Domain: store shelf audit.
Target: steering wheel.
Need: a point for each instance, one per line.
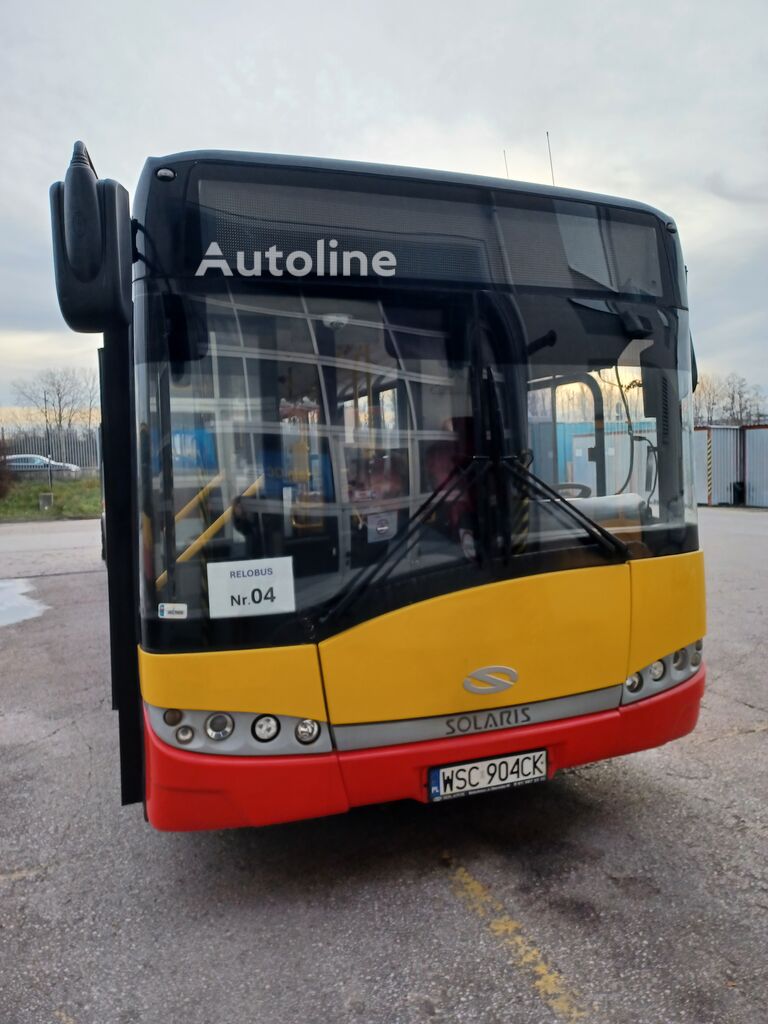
(576, 490)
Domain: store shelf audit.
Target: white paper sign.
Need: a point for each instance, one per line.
(255, 586)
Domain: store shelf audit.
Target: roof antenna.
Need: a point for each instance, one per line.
(506, 165)
(551, 168)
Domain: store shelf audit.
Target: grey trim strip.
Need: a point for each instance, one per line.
(241, 743)
(413, 730)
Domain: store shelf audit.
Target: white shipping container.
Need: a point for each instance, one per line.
(717, 464)
(756, 466)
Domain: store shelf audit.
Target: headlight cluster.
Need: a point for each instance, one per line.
(664, 673)
(238, 733)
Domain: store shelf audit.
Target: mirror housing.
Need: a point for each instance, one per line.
(650, 469)
(92, 247)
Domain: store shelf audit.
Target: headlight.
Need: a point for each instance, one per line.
(634, 683)
(238, 733)
(307, 731)
(185, 734)
(265, 728)
(680, 660)
(219, 726)
(663, 674)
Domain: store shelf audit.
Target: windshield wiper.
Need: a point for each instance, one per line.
(460, 477)
(518, 468)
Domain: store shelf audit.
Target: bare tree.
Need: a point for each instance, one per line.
(91, 395)
(57, 394)
(735, 399)
(23, 418)
(708, 398)
(757, 405)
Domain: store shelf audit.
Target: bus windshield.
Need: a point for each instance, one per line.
(382, 430)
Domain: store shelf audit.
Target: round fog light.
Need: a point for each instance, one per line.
(307, 731)
(634, 682)
(680, 659)
(185, 734)
(657, 670)
(265, 728)
(219, 726)
(695, 659)
(172, 716)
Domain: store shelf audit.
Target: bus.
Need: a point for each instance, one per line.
(398, 480)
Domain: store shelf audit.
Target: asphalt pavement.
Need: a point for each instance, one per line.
(628, 892)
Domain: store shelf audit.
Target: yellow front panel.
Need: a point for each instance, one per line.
(668, 606)
(270, 680)
(564, 633)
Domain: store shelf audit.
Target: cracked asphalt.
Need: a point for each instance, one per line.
(628, 892)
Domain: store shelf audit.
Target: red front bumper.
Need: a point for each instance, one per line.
(187, 791)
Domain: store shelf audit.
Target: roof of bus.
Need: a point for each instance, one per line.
(391, 170)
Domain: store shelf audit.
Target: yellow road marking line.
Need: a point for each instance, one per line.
(548, 982)
(19, 874)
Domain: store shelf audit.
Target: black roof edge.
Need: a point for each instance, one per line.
(392, 170)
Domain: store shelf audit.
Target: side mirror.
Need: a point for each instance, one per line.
(92, 247)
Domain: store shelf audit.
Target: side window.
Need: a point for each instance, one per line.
(591, 436)
(580, 440)
(566, 432)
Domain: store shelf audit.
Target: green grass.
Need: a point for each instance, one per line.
(72, 499)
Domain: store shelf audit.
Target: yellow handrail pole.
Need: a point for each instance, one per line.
(200, 497)
(211, 531)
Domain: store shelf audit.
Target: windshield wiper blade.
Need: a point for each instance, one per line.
(515, 465)
(460, 477)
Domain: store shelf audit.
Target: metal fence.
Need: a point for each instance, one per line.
(78, 446)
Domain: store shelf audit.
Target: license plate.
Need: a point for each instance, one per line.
(492, 773)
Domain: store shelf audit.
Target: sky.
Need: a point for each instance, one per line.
(663, 103)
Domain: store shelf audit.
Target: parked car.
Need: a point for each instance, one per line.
(37, 465)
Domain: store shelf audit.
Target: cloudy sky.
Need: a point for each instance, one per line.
(665, 103)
